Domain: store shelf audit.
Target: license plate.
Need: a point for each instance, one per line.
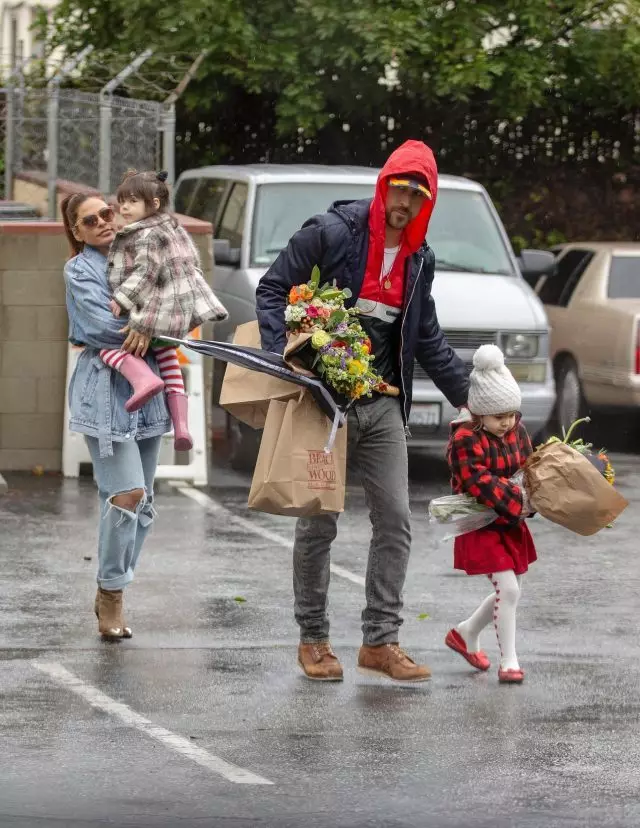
(426, 414)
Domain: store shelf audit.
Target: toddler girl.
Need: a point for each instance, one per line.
(154, 273)
(483, 454)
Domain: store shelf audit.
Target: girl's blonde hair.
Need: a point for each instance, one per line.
(476, 423)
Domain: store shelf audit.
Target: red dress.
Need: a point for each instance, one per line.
(481, 465)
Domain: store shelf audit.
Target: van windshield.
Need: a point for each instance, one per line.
(463, 231)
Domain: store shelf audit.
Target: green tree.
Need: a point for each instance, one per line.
(314, 59)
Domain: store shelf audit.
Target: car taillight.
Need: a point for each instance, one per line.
(638, 347)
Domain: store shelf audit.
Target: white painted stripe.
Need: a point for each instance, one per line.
(341, 572)
(221, 511)
(178, 744)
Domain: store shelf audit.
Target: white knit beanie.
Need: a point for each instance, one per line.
(493, 389)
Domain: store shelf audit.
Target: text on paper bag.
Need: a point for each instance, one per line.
(321, 469)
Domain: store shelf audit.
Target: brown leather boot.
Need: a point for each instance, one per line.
(390, 661)
(318, 662)
(126, 631)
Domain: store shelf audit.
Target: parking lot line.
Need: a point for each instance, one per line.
(178, 744)
(215, 508)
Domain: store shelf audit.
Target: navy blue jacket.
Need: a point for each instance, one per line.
(337, 242)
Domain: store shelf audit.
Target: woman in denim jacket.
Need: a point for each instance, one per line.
(124, 447)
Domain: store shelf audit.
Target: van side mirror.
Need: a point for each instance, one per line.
(224, 254)
(535, 263)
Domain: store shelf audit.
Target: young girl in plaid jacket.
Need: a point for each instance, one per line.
(154, 273)
(484, 452)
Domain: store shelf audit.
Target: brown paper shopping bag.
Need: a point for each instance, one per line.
(245, 393)
(567, 489)
(293, 475)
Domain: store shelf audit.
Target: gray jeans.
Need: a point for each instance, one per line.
(377, 446)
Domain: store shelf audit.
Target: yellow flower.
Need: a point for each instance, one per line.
(356, 367)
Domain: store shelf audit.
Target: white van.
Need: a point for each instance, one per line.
(480, 293)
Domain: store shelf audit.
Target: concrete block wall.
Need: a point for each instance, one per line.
(33, 344)
(33, 339)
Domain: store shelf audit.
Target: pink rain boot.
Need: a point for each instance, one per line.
(178, 408)
(144, 382)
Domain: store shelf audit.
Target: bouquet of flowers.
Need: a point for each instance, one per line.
(600, 459)
(330, 340)
(459, 514)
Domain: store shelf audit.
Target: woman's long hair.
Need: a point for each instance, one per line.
(69, 207)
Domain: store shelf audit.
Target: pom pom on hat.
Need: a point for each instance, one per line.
(488, 358)
(493, 389)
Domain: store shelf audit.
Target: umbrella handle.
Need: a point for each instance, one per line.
(337, 421)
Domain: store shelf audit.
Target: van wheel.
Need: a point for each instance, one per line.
(570, 402)
(244, 443)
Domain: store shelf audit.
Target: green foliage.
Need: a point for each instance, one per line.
(337, 57)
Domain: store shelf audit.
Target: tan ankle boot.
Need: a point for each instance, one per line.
(110, 623)
(126, 631)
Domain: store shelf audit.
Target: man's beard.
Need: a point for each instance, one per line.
(397, 219)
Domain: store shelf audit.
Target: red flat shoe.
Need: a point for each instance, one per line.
(456, 642)
(510, 676)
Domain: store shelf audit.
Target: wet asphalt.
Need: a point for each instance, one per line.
(561, 750)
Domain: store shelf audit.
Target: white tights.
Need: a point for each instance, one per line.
(499, 607)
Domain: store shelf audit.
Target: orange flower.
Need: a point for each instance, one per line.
(300, 293)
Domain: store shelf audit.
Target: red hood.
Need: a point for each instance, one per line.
(416, 157)
(411, 157)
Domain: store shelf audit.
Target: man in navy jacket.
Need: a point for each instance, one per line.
(377, 249)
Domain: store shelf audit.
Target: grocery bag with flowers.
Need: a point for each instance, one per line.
(566, 483)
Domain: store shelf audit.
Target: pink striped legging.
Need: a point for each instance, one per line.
(168, 365)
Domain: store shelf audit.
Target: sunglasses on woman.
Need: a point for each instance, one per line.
(107, 215)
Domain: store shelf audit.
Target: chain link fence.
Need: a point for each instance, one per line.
(2, 142)
(79, 128)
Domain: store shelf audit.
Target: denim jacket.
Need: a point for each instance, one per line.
(96, 393)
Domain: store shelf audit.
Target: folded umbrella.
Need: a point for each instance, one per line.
(267, 362)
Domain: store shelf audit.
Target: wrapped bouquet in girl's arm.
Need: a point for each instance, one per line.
(484, 496)
(559, 502)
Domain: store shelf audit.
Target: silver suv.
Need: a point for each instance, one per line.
(479, 290)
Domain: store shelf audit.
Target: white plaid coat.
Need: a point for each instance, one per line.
(154, 273)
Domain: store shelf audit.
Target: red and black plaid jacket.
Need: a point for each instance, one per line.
(481, 465)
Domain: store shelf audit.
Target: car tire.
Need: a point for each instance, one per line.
(244, 444)
(570, 401)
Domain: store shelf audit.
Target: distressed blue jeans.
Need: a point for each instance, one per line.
(122, 533)
(377, 445)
